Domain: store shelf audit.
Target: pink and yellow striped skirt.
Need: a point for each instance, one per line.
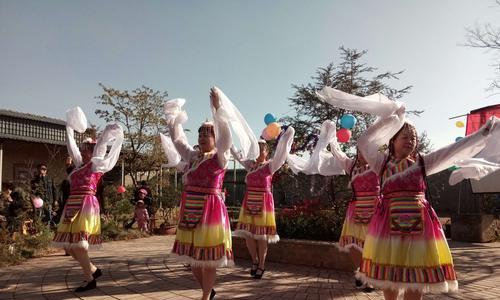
(204, 232)
(405, 247)
(83, 229)
(359, 213)
(257, 219)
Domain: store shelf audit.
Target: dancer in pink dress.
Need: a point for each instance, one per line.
(364, 183)
(80, 225)
(405, 249)
(365, 198)
(203, 237)
(257, 223)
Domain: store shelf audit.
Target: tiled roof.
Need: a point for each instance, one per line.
(11, 113)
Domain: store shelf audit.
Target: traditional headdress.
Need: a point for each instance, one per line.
(88, 143)
(207, 127)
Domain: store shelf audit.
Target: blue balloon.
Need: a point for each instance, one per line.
(348, 121)
(458, 138)
(269, 118)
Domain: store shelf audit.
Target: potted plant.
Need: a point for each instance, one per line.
(168, 217)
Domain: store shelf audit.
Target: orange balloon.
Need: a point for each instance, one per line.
(273, 130)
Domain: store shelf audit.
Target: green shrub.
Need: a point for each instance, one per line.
(307, 221)
(16, 248)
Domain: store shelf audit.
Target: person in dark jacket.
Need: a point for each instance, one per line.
(64, 188)
(42, 185)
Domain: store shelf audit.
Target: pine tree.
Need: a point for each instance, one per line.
(352, 76)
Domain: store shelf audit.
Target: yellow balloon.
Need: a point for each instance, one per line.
(273, 130)
(459, 124)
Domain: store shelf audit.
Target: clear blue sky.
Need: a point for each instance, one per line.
(53, 53)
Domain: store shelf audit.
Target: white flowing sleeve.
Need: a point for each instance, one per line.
(484, 163)
(238, 155)
(182, 166)
(391, 118)
(173, 157)
(296, 163)
(465, 148)
(342, 161)
(248, 141)
(223, 138)
(175, 117)
(378, 135)
(321, 161)
(376, 104)
(75, 120)
(102, 162)
(282, 149)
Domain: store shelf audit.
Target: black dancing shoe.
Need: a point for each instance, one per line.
(212, 294)
(258, 275)
(97, 273)
(254, 270)
(358, 283)
(368, 289)
(86, 286)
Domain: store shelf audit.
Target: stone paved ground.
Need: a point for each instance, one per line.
(141, 269)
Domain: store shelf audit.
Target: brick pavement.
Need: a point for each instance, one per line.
(141, 269)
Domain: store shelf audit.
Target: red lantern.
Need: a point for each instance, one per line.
(343, 135)
(121, 189)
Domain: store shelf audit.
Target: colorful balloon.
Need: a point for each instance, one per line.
(348, 121)
(343, 135)
(269, 118)
(37, 202)
(121, 189)
(458, 138)
(264, 135)
(460, 124)
(273, 130)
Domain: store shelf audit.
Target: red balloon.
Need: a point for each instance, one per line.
(121, 189)
(343, 135)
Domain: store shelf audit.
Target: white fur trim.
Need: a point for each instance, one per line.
(440, 287)
(80, 245)
(347, 248)
(403, 173)
(362, 173)
(271, 239)
(221, 263)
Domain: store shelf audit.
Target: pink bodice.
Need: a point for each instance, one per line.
(84, 179)
(365, 180)
(207, 174)
(412, 180)
(261, 178)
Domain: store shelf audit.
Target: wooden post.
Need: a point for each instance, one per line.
(123, 172)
